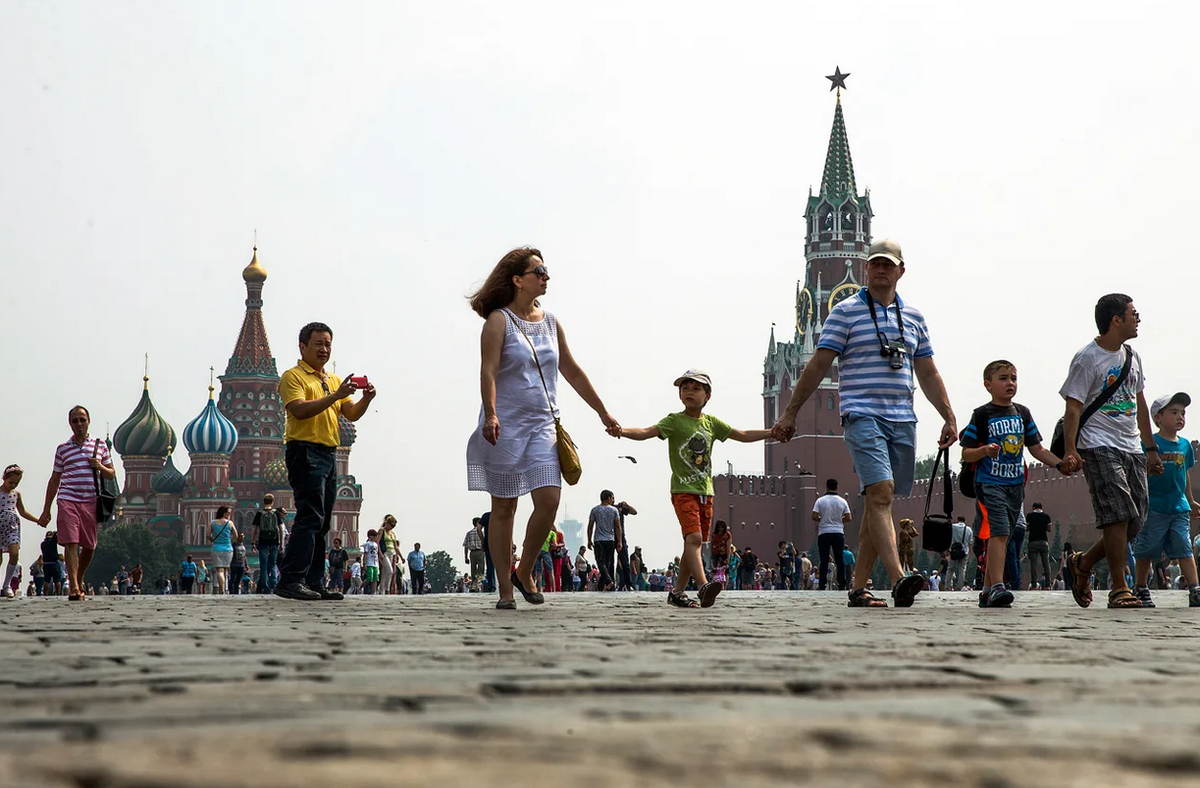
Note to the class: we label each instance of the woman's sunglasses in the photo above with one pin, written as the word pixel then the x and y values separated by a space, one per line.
pixel 541 272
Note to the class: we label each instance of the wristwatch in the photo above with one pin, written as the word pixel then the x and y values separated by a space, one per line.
pixel 1148 449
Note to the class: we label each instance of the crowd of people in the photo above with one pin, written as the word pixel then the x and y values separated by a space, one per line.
pixel 1137 477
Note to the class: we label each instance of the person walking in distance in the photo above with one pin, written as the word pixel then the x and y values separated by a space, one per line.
pixel 237 566
pixel 12 508
pixel 513 451
pixel 313 399
pixel 831 513
pixel 79 464
pixel 337 566
pixel 265 538
pixel 881 343
pixel 389 553
pixel 222 535
pixel 624 574
pixel 1038 525
pixel 416 566
pixel 473 555
pixel 604 537
pixel 1115 446
pixel 961 540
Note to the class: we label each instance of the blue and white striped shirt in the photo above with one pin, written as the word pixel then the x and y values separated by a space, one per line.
pixel 866 384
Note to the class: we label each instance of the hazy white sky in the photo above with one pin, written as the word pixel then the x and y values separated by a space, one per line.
pixel 1029 158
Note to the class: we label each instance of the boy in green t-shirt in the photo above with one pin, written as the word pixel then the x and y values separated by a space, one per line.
pixel 690 436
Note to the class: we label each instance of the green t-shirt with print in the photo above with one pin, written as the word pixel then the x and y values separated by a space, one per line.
pixel 689 448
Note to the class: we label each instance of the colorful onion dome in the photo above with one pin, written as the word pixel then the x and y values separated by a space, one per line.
pixel 275 476
pixel 347 432
pixel 210 432
pixel 254 272
pixel 168 480
pixel 144 433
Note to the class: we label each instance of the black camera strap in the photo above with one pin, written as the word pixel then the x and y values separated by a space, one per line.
pixel 882 337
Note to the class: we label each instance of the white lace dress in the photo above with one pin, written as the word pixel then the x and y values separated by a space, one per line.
pixel 524 458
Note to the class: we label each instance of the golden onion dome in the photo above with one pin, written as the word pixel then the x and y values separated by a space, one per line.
pixel 254 272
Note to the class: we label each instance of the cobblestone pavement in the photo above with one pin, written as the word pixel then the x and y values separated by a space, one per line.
pixel 596 690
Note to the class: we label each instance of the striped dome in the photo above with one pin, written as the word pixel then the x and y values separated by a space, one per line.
pixel 144 433
pixel 168 480
pixel 210 432
pixel 275 475
pixel 347 433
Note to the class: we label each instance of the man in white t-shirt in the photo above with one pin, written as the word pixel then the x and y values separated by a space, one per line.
pixel 1115 446
pixel 961 540
pixel 832 513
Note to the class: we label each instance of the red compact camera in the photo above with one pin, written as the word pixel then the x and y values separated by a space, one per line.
pixel 360 381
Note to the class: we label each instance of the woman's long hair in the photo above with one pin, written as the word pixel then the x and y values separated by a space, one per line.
pixel 498 290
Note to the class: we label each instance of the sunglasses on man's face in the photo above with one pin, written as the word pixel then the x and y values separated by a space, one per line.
pixel 541 272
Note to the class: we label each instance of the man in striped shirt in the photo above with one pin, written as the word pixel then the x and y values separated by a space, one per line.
pixel 76 463
pixel 880 343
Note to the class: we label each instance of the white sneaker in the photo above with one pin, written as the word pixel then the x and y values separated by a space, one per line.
pixel 8 593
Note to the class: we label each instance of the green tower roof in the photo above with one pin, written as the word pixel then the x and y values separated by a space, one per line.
pixel 838 178
pixel 144 432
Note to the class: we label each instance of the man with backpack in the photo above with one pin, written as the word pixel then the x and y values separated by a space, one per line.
pixel 961 540
pixel 268 529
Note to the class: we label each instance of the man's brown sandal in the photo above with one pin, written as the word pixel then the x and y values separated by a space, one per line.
pixel 864 598
pixel 1081 583
pixel 1122 598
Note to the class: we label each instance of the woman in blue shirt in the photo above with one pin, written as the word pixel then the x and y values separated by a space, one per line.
pixel 221 533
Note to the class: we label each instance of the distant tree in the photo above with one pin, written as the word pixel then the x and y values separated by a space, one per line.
pixel 127 544
pixel 924 467
pixel 440 572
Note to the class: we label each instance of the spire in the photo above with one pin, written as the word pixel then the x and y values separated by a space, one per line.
pixel 838 178
pixel 252 353
pixel 771 347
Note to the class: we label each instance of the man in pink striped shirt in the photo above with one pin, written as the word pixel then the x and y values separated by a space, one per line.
pixel 76 463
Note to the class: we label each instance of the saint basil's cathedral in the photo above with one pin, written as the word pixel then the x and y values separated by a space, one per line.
pixel 235 448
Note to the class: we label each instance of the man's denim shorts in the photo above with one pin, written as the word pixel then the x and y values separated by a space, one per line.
pixel 882 450
pixel 1167 532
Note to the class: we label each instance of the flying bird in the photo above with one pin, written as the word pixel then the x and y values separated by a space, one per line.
pixel 627 457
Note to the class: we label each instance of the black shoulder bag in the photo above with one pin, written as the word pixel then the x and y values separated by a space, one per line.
pixel 936 529
pixel 1058 443
pixel 106 493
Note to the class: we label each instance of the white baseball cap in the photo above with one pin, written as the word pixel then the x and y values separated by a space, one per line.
pixel 1165 401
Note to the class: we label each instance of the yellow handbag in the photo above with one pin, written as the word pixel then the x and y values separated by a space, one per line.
pixel 568 456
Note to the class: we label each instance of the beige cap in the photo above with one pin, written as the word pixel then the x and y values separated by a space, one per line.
pixel 886 248
pixel 696 375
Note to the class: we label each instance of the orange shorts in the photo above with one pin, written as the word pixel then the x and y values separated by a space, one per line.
pixel 695 513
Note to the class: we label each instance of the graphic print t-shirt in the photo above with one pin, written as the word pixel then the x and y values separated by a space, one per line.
pixel 371 553
pixel 1115 424
pixel 689 448
pixel 1168 491
pixel 1009 427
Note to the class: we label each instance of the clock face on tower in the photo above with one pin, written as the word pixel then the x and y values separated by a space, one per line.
pixel 841 293
pixel 804 311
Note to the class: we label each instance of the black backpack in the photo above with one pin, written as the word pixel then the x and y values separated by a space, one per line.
pixel 268 527
pixel 966 471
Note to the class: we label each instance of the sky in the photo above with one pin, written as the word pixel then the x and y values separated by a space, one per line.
pixel 1029 159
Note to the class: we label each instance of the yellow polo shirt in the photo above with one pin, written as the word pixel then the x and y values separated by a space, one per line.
pixel 302 382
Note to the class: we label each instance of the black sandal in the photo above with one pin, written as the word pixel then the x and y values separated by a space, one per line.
pixel 864 598
pixel 708 594
pixel 531 598
pixel 906 590
pixel 680 600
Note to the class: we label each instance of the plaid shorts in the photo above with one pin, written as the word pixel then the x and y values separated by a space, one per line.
pixel 1117 483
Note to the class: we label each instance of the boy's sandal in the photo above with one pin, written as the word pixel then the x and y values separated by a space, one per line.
pixel 906 590
pixel 534 598
pixel 1081 587
pixel 680 600
pixel 708 594
pixel 1122 598
pixel 864 598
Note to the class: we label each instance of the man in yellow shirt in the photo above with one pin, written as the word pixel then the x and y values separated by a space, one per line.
pixel 313 400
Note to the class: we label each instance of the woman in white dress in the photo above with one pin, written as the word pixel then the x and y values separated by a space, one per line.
pixel 512 452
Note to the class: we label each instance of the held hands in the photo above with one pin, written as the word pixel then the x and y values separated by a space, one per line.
pixel 784 428
pixel 491 429
pixel 1154 465
pixel 610 424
